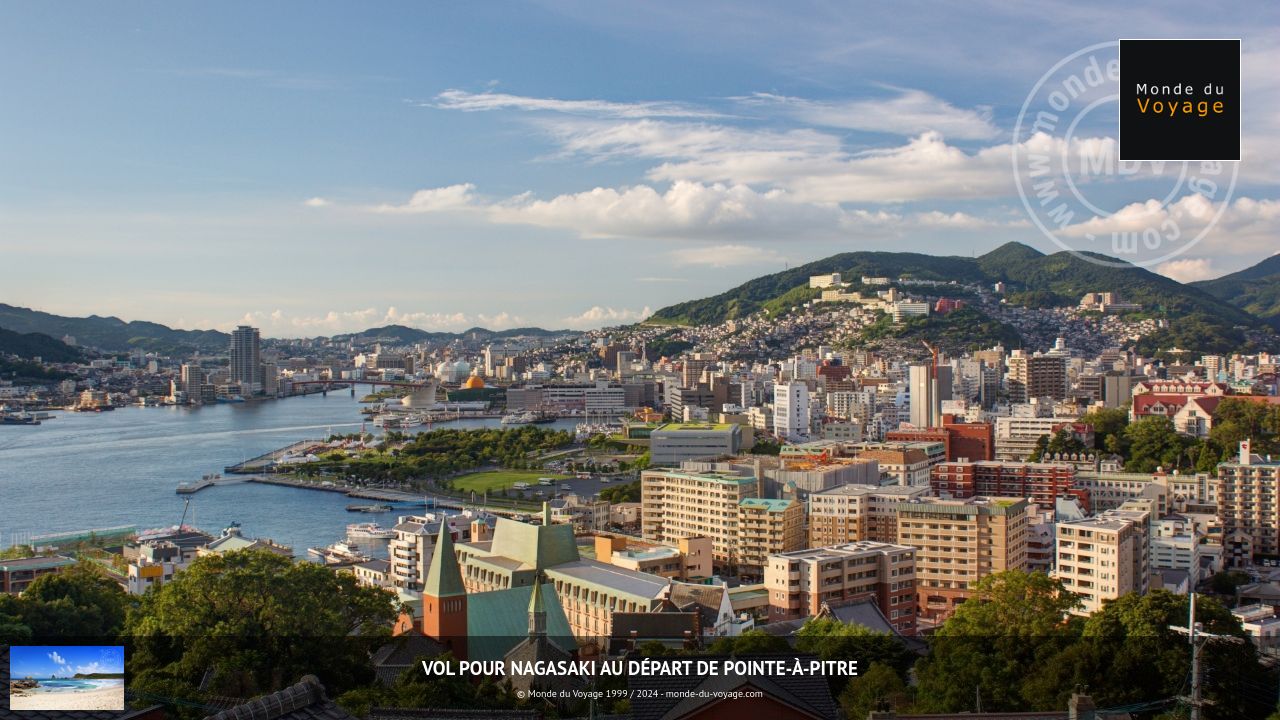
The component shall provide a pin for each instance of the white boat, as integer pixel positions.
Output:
(339, 553)
(520, 418)
(369, 531)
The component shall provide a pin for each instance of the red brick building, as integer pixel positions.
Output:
(1041, 482)
(963, 441)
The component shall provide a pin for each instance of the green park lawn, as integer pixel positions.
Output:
(501, 479)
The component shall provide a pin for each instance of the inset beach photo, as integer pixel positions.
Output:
(62, 677)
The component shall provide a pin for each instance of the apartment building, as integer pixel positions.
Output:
(853, 513)
(1104, 557)
(765, 527)
(1043, 483)
(724, 505)
(801, 582)
(1016, 437)
(1248, 502)
(958, 543)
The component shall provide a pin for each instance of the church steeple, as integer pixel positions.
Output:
(444, 597)
(444, 577)
(537, 610)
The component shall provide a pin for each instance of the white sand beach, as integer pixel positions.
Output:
(108, 698)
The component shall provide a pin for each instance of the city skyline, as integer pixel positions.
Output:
(313, 172)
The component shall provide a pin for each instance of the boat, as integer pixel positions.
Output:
(369, 508)
(545, 417)
(520, 418)
(369, 531)
(18, 419)
(340, 553)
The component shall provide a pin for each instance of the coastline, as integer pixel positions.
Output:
(108, 698)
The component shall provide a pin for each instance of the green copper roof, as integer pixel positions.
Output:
(538, 546)
(498, 621)
(444, 577)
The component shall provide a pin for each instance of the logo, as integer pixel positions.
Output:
(1082, 196)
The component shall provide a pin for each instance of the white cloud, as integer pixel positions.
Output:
(655, 279)
(315, 202)
(441, 199)
(54, 656)
(727, 256)
(1247, 226)
(94, 667)
(1187, 270)
(685, 210)
(479, 102)
(598, 316)
(910, 112)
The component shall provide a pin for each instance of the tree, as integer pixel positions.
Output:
(1037, 452)
(751, 642)
(256, 622)
(831, 639)
(994, 641)
(878, 687)
(1237, 419)
(1106, 422)
(1128, 653)
(1153, 442)
(79, 602)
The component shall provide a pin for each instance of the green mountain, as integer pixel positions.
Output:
(1198, 319)
(1255, 289)
(111, 333)
(406, 335)
(31, 345)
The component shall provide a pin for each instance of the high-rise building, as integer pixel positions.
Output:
(1036, 376)
(959, 542)
(853, 513)
(191, 378)
(1104, 557)
(723, 506)
(246, 360)
(929, 387)
(801, 582)
(791, 410)
(1249, 503)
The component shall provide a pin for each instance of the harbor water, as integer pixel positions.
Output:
(81, 471)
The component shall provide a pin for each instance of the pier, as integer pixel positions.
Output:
(396, 496)
(267, 461)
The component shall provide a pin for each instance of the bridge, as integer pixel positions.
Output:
(388, 383)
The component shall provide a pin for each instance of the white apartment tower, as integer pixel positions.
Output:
(791, 410)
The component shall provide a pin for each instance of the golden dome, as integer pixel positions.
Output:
(474, 382)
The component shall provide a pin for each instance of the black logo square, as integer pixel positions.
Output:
(1180, 100)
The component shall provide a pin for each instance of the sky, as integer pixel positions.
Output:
(64, 661)
(315, 168)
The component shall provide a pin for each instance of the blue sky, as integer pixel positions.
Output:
(318, 168)
(63, 661)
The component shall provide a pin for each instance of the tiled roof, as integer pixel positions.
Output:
(499, 620)
(304, 701)
(807, 694)
(392, 659)
(649, 626)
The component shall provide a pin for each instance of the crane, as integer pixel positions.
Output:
(933, 354)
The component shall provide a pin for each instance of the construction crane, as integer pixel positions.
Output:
(933, 354)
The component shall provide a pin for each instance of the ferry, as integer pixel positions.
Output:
(369, 531)
(18, 419)
(520, 418)
(339, 553)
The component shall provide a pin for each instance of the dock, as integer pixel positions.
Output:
(206, 482)
(267, 461)
(395, 496)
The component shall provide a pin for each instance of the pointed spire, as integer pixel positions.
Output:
(444, 577)
(537, 609)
